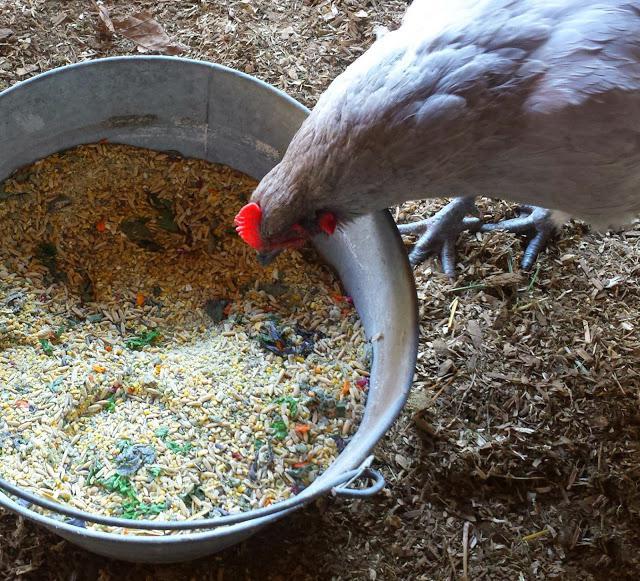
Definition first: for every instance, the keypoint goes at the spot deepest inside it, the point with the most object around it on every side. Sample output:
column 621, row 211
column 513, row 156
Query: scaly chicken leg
column 534, row 222
column 438, row 234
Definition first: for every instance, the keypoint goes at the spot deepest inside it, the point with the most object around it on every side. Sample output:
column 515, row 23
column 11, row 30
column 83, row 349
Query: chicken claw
column 438, row 234
column 532, row 221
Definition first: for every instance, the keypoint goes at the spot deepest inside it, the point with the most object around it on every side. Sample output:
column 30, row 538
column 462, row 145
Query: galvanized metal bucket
column 211, row 112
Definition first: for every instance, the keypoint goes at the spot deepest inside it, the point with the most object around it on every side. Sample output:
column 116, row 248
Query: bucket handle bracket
column 365, row 471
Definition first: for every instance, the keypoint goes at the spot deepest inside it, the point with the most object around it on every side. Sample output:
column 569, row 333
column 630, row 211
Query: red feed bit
column 248, row 225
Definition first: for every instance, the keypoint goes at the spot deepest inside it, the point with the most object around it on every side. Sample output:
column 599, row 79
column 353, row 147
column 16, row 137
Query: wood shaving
column 464, row 464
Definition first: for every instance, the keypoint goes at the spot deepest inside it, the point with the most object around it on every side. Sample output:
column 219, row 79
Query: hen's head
column 280, row 216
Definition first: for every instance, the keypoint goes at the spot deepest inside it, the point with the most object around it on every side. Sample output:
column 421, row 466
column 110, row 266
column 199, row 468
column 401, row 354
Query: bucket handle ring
column 365, row 471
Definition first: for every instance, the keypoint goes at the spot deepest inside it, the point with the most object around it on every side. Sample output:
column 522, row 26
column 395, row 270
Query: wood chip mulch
column 517, row 456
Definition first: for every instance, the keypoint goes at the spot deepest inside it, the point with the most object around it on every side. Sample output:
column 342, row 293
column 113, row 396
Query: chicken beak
column 266, row 258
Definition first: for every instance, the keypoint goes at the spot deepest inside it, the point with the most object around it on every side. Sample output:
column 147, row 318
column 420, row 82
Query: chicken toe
column 438, row 234
column 534, row 222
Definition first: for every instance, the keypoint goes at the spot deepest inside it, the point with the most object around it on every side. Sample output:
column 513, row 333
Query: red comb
column 248, row 225
column 327, row 222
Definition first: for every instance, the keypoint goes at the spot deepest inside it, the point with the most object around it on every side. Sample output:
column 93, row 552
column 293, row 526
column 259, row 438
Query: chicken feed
column 150, row 368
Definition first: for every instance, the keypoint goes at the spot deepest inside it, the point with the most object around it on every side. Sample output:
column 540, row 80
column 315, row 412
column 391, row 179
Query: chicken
column 533, row 101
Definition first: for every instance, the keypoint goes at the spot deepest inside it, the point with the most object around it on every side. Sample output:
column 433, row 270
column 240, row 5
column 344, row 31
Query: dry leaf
column 475, row 332
column 60, row 18
column 505, row 279
column 445, row 367
column 403, row 461
column 142, row 29
column 441, row 348
column 584, row 355
column 246, row 4
column 105, row 25
column 419, row 399
column 600, row 422
column 424, row 426
column 328, row 11
column 23, row 71
column 5, row 33
column 393, row 520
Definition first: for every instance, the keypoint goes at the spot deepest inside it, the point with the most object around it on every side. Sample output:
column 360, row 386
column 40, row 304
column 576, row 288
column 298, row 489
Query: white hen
column 533, row 101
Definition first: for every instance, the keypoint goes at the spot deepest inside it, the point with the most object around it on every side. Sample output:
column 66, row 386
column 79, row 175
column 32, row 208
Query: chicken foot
column 532, row 221
column 439, row 233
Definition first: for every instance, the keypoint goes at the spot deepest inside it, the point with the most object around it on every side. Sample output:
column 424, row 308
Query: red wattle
column 327, row 222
